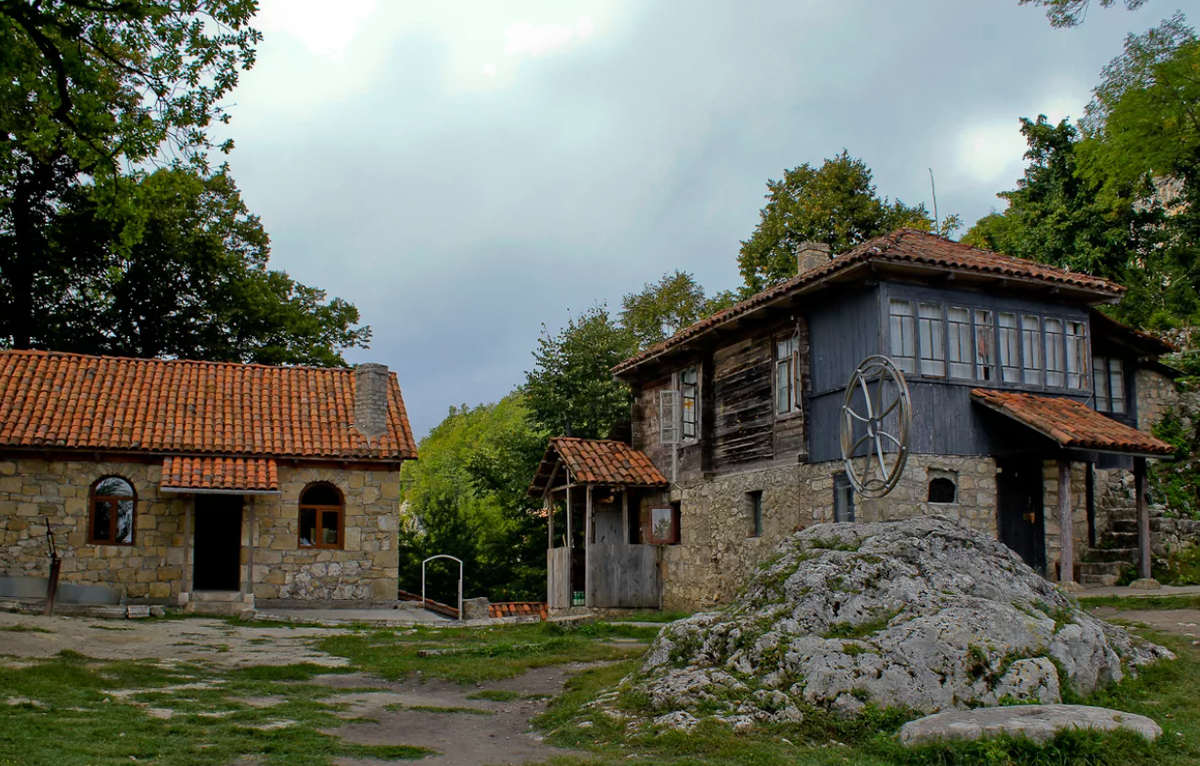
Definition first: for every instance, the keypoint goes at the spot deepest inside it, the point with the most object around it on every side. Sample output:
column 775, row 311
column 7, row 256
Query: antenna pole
column 937, row 222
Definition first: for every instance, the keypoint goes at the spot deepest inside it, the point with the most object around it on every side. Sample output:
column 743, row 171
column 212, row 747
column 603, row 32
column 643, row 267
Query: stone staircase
column 1117, row 552
column 225, row 603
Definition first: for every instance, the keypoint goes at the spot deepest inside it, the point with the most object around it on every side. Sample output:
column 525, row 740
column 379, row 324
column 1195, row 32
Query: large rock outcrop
column 920, row 614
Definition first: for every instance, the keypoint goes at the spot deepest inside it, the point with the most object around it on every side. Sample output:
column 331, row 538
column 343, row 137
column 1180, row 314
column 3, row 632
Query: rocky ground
column 919, row 614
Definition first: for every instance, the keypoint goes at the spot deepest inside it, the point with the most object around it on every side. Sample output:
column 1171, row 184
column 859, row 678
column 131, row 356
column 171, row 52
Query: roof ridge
column 49, row 353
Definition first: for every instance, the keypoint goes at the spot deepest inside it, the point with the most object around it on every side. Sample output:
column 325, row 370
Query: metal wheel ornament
column 877, row 415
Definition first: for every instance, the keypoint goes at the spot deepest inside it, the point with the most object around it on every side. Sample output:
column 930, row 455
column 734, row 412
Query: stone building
column 1026, row 403
column 180, row 482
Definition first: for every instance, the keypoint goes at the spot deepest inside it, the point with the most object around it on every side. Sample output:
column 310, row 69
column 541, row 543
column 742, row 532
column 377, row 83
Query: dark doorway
column 1019, row 484
column 217, row 548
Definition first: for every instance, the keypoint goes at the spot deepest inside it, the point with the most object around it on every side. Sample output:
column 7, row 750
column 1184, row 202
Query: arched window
column 110, row 521
column 942, row 490
column 320, row 516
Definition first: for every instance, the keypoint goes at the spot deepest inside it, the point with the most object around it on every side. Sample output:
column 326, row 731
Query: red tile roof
column 233, row 474
column 56, row 401
column 903, row 247
column 1071, row 423
column 518, row 609
column 598, row 461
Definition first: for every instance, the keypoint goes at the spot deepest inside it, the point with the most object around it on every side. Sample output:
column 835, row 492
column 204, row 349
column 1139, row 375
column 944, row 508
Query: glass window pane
column 1076, row 355
column 1055, row 354
column 308, row 526
column 329, row 528
column 1100, row 368
column 1010, row 348
column 1116, row 379
column 985, row 358
column 125, row 522
column 688, row 393
column 102, row 521
column 1031, row 349
column 113, row 486
column 959, row 337
column 903, row 338
column 931, row 337
column 320, row 494
column 783, row 387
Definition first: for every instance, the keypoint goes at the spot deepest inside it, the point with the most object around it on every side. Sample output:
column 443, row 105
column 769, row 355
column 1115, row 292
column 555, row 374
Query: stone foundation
column 37, row 493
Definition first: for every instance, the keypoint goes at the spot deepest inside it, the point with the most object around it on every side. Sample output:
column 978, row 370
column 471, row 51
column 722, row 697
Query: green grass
column 495, row 695
column 81, row 719
column 1183, row 601
column 21, row 627
column 1164, row 691
column 481, row 654
column 439, row 709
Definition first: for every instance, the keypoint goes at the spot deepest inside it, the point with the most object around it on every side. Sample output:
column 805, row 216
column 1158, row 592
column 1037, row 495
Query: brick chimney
column 371, row 400
column 811, row 255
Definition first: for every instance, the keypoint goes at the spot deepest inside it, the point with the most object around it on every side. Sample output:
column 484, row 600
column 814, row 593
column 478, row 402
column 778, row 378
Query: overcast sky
column 467, row 171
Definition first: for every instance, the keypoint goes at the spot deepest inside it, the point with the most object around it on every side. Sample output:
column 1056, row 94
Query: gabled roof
column 56, row 401
column 1071, row 423
column 908, row 248
column 597, row 461
column 220, row 474
column 1135, row 341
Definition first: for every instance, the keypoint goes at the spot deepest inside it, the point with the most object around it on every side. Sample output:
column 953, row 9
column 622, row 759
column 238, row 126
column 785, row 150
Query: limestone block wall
column 718, row 552
column 37, row 493
column 368, row 565
column 1156, row 395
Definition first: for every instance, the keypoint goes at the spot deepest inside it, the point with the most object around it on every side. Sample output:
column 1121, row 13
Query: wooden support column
column 251, row 542
column 548, row 506
column 1066, row 526
column 1143, row 518
column 625, row 515
column 587, row 546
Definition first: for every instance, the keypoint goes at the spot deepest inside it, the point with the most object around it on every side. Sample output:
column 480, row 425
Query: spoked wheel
column 876, row 415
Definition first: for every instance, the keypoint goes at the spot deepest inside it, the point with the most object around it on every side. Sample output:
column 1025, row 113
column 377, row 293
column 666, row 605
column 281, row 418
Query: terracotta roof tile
column 1071, row 423
column 905, row 246
column 53, row 400
column 598, row 461
column 219, row 473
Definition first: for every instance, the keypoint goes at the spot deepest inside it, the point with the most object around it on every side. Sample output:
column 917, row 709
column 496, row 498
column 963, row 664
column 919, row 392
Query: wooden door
column 1020, row 510
column 217, row 543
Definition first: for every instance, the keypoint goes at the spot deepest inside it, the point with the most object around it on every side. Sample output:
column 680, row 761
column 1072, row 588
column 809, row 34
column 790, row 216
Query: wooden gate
column 623, row 576
column 558, row 577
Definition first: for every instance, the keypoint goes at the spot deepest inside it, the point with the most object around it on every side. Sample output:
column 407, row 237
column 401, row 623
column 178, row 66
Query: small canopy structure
column 1076, row 428
column 598, row 479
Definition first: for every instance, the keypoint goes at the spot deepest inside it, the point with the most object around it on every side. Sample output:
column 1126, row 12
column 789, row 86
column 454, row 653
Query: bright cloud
column 325, row 29
column 536, row 39
column 990, row 153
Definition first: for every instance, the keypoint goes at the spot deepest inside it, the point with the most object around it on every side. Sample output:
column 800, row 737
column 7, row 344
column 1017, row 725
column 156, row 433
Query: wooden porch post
column 548, row 506
column 1066, row 534
column 587, row 547
column 625, row 515
column 1143, row 520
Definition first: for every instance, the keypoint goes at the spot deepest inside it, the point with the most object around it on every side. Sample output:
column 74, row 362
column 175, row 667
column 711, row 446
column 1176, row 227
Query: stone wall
column 34, row 493
column 1156, row 395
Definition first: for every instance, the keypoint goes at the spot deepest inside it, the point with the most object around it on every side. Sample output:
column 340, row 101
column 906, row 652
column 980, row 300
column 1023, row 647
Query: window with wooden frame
column 113, row 510
column 668, row 416
column 958, row 324
column 903, row 335
column 1077, row 355
column 931, row 340
column 985, row 342
column 788, row 395
column 1010, row 347
column 1031, row 349
column 1109, row 377
column 1056, row 365
column 321, row 516
column 689, row 404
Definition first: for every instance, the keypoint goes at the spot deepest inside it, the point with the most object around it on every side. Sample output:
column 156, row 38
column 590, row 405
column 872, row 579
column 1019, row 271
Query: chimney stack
column 811, row 255
column 371, row 400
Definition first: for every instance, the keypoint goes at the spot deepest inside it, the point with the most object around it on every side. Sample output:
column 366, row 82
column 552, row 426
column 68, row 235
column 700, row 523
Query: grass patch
column 480, row 654
column 495, row 695
column 21, row 627
column 1182, row 601
column 439, row 709
column 861, row 629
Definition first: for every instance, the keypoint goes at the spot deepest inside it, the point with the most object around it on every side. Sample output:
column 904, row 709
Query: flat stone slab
column 1037, row 722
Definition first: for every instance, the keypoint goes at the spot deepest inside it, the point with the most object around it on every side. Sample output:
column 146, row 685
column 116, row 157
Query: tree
column 110, row 79
column 665, row 307
column 571, row 390
column 835, row 204
column 182, row 272
column 1069, row 13
column 466, row 497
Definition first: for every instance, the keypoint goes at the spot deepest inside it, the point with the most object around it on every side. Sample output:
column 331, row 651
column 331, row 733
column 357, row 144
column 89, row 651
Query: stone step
column 220, row 596
column 1103, row 567
column 1128, row 555
column 1106, row 580
column 1125, row 525
column 223, row 609
column 1123, row 539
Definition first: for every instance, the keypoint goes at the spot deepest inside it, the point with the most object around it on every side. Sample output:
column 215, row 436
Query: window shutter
column 668, row 417
column 797, row 387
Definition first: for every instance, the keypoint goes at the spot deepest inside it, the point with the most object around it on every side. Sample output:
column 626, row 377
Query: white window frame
column 931, row 340
column 1033, row 351
column 1009, row 347
column 687, row 408
column 960, row 358
column 902, row 334
column 1056, row 352
column 787, row 368
column 668, row 416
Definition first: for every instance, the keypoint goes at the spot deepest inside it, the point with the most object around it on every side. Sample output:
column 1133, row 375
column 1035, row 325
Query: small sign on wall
column 662, row 526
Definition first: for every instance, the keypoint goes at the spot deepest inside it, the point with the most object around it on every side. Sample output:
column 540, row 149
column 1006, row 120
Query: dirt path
column 1184, row 622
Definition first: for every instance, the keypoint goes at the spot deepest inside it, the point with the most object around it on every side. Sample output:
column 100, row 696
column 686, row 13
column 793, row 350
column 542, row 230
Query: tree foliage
column 665, row 307
column 836, row 204
column 180, row 271
column 571, row 390
column 466, row 497
column 1070, row 13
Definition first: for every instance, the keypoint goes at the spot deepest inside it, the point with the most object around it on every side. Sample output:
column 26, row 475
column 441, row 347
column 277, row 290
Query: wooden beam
column 1143, row 517
column 553, row 476
column 587, row 546
column 548, row 504
column 1066, row 527
column 625, row 515
column 570, row 538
